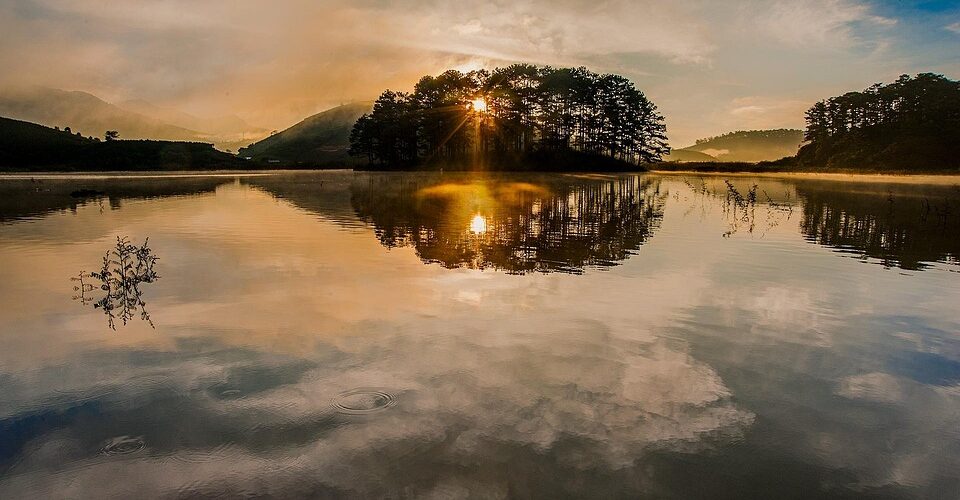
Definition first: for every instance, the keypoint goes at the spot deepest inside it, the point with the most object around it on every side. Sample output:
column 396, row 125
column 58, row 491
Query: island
column 521, row 117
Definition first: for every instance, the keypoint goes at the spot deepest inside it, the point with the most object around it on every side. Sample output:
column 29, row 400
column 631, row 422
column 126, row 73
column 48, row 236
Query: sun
column 479, row 105
column 478, row 225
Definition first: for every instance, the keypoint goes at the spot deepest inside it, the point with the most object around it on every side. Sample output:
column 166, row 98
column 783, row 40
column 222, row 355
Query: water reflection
column 124, row 269
column 901, row 226
column 298, row 357
column 37, row 196
column 898, row 224
column 518, row 225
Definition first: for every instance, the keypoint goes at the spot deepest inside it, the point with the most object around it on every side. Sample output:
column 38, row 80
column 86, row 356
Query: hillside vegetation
column 742, row 146
column 28, row 146
column 911, row 124
column 320, row 140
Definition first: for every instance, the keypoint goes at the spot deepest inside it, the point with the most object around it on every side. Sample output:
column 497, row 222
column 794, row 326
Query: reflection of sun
column 478, row 224
column 479, row 104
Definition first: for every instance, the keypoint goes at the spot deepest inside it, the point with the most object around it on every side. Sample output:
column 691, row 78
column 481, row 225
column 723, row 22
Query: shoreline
column 893, row 177
column 153, row 174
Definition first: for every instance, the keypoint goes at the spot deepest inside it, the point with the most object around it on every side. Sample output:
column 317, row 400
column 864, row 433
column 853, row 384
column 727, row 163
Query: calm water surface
column 446, row 336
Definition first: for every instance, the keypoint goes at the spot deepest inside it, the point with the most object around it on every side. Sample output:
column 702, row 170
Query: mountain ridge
column 743, row 146
column 322, row 139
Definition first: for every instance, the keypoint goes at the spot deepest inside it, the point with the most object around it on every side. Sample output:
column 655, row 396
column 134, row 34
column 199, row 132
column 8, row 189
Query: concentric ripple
column 123, row 445
column 231, row 394
column 363, row 401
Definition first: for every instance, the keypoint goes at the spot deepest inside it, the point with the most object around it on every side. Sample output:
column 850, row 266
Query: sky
column 711, row 66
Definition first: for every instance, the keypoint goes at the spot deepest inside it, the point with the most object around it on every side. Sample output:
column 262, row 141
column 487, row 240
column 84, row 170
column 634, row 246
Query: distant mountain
column 685, row 155
column 29, row 146
column 87, row 114
column 225, row 132
column 320, row 140
column 747, row 146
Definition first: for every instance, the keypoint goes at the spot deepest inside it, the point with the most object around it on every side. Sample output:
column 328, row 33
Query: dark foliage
column 911, row 124
column 28, row 146
column 504, row 118
column 321, row 140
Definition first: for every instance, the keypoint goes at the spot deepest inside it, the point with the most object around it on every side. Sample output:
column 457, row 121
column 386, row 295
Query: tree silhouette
column 910, row 123
column 111, row 135
column 525, row 109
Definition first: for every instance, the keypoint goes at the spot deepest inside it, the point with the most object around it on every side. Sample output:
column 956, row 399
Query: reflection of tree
column 562, row 225
column 22, row 199
column 745, row 207
column 125, row 267
column 740, row 210
column 903, row 227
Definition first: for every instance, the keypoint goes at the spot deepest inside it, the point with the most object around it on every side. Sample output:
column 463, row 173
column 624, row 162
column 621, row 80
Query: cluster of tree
column 464, row 118
column 910, row 123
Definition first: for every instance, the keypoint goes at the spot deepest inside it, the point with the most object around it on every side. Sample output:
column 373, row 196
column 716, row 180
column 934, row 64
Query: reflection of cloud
column 507, row 375
column 499, row 380
column 580, row 396
column 930, row 452
column 878, row 387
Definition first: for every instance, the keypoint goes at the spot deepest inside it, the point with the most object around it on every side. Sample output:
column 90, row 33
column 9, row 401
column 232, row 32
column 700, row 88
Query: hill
column 319, row 140
column 87, row 114
column 33, row 147
column 747, row 146
column 225, row 132
column 686, row 155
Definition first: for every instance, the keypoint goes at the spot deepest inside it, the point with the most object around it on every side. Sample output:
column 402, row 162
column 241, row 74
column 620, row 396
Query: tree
column 910, row 123
column 525, row 109
column 111, row 135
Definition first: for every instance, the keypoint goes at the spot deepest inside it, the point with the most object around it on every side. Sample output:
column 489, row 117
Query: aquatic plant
column 125, row 267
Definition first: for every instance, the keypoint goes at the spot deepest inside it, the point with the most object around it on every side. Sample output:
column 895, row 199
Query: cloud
column 955, row 27
column 819, row 23
column 274, row 65
column 307, row 55
column 759, row 112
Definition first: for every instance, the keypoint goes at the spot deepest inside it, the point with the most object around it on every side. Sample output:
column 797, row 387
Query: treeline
column 778, row 133
column 912, row 123
column 512, row 113
column 27, row 146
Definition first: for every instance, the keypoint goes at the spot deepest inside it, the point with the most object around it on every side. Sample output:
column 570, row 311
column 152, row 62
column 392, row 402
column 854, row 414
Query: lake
column 341, row 334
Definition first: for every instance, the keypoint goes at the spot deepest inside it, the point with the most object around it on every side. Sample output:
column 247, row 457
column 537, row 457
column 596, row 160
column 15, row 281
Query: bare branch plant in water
column 124, row 269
